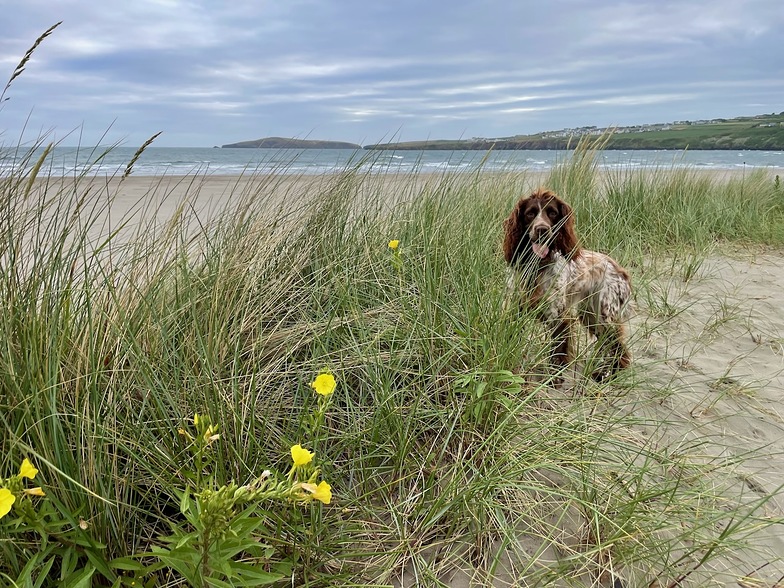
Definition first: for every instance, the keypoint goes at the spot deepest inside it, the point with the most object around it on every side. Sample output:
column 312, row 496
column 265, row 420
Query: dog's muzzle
column 540, row 236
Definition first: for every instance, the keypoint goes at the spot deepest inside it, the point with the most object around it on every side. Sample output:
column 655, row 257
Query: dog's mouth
column 541, row 250
column 541, row 238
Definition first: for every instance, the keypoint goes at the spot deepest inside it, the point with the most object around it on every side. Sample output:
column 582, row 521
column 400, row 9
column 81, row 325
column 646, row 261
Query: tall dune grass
column 641, row 212
column 452, row 458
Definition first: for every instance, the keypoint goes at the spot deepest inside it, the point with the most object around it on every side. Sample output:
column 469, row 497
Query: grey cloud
column 207, row 72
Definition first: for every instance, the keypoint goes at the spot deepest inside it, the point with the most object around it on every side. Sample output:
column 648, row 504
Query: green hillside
column 763, row 132
column 739, row 133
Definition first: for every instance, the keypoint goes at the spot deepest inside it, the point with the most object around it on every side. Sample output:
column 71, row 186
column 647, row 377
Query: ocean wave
column 65, row 161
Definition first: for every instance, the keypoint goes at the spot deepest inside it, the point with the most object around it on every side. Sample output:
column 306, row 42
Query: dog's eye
column 531, row 213
column 552, row 213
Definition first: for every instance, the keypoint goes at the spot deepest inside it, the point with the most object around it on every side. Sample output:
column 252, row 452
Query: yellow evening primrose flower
column 37, row 491
column 323, row 492
column 300, row 455
column 27, row 470
column 7, row 500
column 324, row 384
column 394, row 244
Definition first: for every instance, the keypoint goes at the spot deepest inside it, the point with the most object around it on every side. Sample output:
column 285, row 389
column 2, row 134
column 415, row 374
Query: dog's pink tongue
column 540, row 250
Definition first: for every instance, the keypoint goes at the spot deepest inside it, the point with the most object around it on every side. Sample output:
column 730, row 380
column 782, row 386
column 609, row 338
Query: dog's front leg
column 561, row 343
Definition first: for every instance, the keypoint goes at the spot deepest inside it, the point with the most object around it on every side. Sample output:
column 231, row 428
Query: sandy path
column 713, row 351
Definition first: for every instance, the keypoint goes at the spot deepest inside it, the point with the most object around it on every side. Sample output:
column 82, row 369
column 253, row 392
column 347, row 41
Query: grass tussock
column 451, row 459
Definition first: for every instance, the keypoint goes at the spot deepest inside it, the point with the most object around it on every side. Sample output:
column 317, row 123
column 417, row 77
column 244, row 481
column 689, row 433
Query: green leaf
column 250, row 575
column 67, row 565
column 43, row 572
column 100, row 564
column 185, row 500
column 218, row 583
column 80, row 579
column 126, row 564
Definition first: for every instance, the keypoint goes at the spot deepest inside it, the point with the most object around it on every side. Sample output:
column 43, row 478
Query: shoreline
column 148, row 200
column 136, row 190
column 164, row 161
column 216, row 176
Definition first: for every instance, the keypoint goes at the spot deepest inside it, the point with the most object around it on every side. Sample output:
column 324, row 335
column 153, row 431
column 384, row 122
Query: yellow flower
column 210, row 435
column 300, row 455
column 324, row 384
column 7, row 500
column 322, row 492
column 27, row 470
column 394, row 244
column 35, row 491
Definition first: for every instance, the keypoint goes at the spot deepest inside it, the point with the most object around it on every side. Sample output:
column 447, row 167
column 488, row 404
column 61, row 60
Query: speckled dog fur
column 549, row 271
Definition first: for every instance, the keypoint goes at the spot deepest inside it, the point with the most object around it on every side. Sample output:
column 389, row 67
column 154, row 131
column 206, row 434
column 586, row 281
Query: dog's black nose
column 541, row 232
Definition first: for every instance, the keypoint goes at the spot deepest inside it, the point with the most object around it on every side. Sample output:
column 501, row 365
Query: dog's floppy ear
column 515, row 232
column 566, row 237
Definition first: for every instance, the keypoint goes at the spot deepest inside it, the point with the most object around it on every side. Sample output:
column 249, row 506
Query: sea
column 157, row 161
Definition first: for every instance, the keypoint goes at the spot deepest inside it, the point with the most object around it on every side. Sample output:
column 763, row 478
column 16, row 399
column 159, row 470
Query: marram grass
column 450, row 457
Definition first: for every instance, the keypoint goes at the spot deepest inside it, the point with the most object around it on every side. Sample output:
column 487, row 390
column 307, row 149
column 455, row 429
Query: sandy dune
column 708, row 346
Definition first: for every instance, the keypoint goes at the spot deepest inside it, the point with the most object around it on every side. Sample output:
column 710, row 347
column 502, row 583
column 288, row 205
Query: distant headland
column 760, row 132
column 283, row 143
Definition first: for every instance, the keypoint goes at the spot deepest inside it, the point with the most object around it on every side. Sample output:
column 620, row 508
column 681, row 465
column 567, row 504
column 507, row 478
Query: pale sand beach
column 146, row 197
column 722, row 352
column 709, row 350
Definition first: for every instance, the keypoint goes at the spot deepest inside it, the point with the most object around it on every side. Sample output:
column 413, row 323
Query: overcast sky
column 212, row 72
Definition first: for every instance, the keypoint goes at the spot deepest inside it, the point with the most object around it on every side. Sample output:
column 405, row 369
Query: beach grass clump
column 637, row 213
column 665, row 222
column 450, row 456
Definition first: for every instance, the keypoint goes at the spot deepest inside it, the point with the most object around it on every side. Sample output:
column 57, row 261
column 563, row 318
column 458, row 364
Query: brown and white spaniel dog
column 552, row 274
